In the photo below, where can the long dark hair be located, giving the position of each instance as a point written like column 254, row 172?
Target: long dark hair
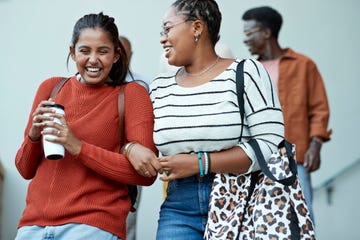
column 120, row 68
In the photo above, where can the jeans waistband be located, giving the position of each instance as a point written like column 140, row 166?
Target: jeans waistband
column 197, row 179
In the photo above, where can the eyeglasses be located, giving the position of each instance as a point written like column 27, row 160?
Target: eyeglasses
column 252, row 30
column 166, row 29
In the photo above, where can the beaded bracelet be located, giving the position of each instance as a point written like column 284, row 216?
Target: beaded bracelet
column 200, row 164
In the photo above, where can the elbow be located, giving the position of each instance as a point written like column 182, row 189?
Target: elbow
column 27, row 176
column 148, row 181
column 24, row 173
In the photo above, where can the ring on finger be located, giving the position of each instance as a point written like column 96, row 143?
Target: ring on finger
column 147, row 173
column 58, row 133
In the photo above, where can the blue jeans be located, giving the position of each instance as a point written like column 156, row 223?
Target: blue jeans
column 184, row 213
column 69, row 231
column 306, row 186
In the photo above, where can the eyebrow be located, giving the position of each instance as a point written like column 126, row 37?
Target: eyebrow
column 86, row 46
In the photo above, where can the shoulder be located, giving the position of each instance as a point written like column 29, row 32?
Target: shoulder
column 134, row 89
column 52, row 81
column 49, row 83
column 252, row 67
column 163, row 80
column 136, row 97
column 300, row 57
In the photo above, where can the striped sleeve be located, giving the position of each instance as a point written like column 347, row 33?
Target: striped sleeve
column 264, row 119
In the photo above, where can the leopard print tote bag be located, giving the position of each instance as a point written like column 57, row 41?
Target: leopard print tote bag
column 267, row 204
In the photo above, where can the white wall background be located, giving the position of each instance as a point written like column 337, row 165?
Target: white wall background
column 34, row 39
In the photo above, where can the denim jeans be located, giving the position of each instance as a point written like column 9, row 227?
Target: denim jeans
column 306, row 186
column 69, row 231
column 184, row 213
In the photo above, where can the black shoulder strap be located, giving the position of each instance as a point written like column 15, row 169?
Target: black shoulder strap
column 240, row 92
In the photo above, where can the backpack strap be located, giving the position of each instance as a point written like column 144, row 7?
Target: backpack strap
column 132, row 189
column 58, row 87
column 121, row 110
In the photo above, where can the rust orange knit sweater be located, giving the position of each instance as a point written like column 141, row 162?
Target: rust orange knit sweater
column 89, row 188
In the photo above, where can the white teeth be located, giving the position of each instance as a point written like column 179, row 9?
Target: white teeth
column 167, row 49
column 93, row 69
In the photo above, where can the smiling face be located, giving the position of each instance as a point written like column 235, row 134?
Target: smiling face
column 94, row 55
column 177, row 38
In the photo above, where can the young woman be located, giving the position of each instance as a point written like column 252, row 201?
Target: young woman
column 197, row 121
column 85, row 194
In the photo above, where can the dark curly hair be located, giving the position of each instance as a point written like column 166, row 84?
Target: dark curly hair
column 106, row 23
column 267, row 17
column 205, row 10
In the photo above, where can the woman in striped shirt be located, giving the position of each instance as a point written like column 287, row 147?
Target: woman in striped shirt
column 197, row 121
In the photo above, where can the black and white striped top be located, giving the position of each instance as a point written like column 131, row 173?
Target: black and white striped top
column 207, row 118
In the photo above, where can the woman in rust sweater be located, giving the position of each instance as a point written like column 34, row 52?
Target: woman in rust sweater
column 85, row 194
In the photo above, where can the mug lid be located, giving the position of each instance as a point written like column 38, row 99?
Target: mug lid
column 56, row 105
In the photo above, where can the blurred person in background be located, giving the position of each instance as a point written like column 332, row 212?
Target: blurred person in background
column 301, row 91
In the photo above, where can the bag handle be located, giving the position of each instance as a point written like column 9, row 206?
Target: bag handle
column 264, row 167
column 253, row 143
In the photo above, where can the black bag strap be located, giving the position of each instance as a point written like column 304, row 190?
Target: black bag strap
column 240, row 92
column 254, row 144
column 263, row 165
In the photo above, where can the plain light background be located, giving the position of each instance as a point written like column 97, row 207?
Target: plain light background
column 34, row 43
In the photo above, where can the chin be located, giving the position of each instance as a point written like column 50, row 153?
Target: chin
column 252, row 51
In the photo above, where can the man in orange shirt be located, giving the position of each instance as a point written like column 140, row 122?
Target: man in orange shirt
column 301, row 91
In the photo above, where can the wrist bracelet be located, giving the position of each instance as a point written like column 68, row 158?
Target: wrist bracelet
column 206, row 158
column 127, row 148
column 209, row 164
column 200, row 164
column 317, row 140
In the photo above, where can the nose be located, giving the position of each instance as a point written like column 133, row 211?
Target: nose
column 246, row 39
column 163, row 38
column 93, row 58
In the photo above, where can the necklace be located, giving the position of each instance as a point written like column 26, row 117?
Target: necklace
column 203, row 71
